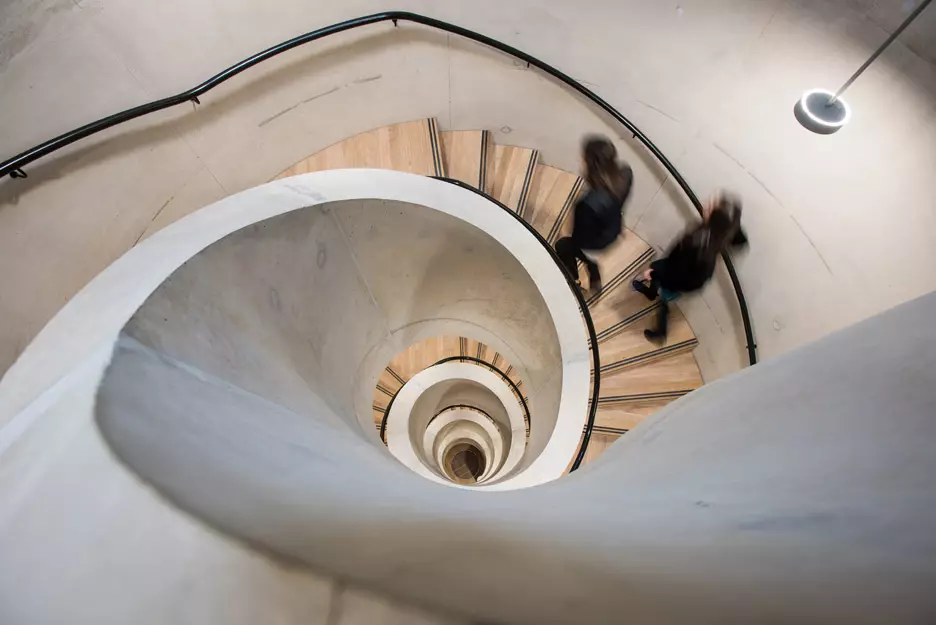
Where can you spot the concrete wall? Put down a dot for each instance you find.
(841, 226)
(294, 308)
(713, 82)
(797, 491)
(66, 496)
(427, 270)
(85, 542)
(451, 383)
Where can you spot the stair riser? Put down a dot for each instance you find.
(623, 277)
(642, 359)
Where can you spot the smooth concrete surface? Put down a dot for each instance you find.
(778, 495)
(425, 270)
(480, 397)
(470, 426)
(432, 389)
(53, 384)
(841, 228)
(782, 494)
(239, 290)
(251, 309)
(712, 82)
(797, 491)
(84, 542)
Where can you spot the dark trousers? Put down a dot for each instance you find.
(569, 253)
(652, 290)
(662, 318)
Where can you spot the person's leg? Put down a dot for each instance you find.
(568, 252)
(658, 334)
(594, 274)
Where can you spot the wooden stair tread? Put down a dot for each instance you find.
(412, 147)
(626, 416)
(619, 263)
(598, 443)
(620, 308)
(638, 376)
(389, 380)
(664, 376)
(423, 354)
(379, 407)
(551, 201)
(464, 153)
(476, 349)
(512, 174)
(630, 345)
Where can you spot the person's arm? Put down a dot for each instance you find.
(628, 183)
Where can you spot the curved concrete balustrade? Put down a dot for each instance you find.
(468, 429)
(779, 494)
(447, 425)
(244, 309)
(431, 390)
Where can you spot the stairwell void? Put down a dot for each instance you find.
(302, 311)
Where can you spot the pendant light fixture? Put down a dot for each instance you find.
(823, 111)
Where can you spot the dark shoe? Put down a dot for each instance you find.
(657, 338)
(594, 278)
(594, 285)
(646, 291)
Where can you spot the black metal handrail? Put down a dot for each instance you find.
(462, 407)
(503, 376)
(583, 307)
(477, 361)
(14, 166)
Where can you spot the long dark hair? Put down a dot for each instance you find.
(602, 170)
(719, 230)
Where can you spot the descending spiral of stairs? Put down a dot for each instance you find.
(637, 377)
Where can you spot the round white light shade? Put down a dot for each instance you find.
(819, 111)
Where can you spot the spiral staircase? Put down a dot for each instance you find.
(637, 377)
(252, 416)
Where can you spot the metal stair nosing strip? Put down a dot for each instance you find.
(601, 429)
(639, 359)
(385, 390)
(622, 276)
(436, 150)
(643, 397)
(395, 376)
(482, 166)
(621, 325)
(564, 211)
(527, 182)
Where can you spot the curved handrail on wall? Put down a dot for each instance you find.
(473, 360)
(583, 307)
(14, 166)
(503, 376)
(462, 407)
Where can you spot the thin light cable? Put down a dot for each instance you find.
(878, 52)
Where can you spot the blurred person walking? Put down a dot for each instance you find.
(691, 261)
(598, 218)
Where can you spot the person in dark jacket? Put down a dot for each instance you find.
(691, 262)
(598, 218)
